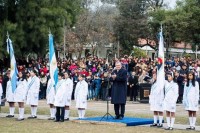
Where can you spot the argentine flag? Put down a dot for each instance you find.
(160, 70)
(52, 61)
(13, 65)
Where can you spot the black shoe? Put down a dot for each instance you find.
(169, 128)
(67, 119)
(32, 117)
(51, 118)
(160, 125)
(116, 117)
(10, 116)
(192, 128)
(153, 125)
(20, 119)
(56, 121)
(61, 120)
(120, 118)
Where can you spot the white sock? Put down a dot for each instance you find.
(79, 113)
(155, 119)
(67, 114)
(32, 111)
(54, 112)
(190, 120)
(168, 121)
(50, 112)
(172, 122)
(194, 121)
(160, 119)
(35, 111)
(21, 113)
(10, 110)
(83, 114)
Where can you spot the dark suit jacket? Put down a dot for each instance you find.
(119, 87)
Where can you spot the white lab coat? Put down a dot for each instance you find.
(50, 92)
(156, 98)
(69, 87)
(61, 93)
(9, 93)
(33, 87)
(191, 97)
(21, 91)
(171, 96)
(81, 92)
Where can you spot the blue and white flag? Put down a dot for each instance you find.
(52, 61)
(160, 70)
(13, 65)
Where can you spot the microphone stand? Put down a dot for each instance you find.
(107, 113)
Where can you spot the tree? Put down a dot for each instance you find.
(131, 24)
(28, 22)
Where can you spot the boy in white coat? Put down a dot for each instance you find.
(81, 93)
(191, 99)
(51, 98)
(33, 88)
(69, 87)
(20, 94)
(60, 98)
(156, 98)
(169, 103)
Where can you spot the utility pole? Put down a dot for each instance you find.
(64, 39)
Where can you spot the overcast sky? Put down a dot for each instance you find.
(170, 3)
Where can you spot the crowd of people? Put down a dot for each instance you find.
(94, 74)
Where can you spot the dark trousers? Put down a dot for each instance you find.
(118, 108)
(60, 113)
(133, 93)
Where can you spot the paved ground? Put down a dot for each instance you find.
(131, 107)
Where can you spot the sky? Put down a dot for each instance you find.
(171, 3)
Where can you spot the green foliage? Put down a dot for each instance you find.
(137, 52)
(28, 23)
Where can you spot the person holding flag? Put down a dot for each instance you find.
(12, 83)
(156, 96)
(53, 78)
(33, 93)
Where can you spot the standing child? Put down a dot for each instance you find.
(81, 93)
(50, 98)
(20, 94)
(169, 104)
(69, 89)
(191, 98)
(10, 98)
(60, 98)
(156, 98)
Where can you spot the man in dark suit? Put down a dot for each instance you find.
(119, 90)
(133, 83)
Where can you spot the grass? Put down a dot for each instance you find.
(37, 126)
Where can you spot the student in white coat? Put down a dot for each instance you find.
(81, 93)
(69, 87)
(60, 98)
(191, 98)
(169, 103)
(10, 99)
(51, 98)
(20, 94)
(156, 98)
(33, 93)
